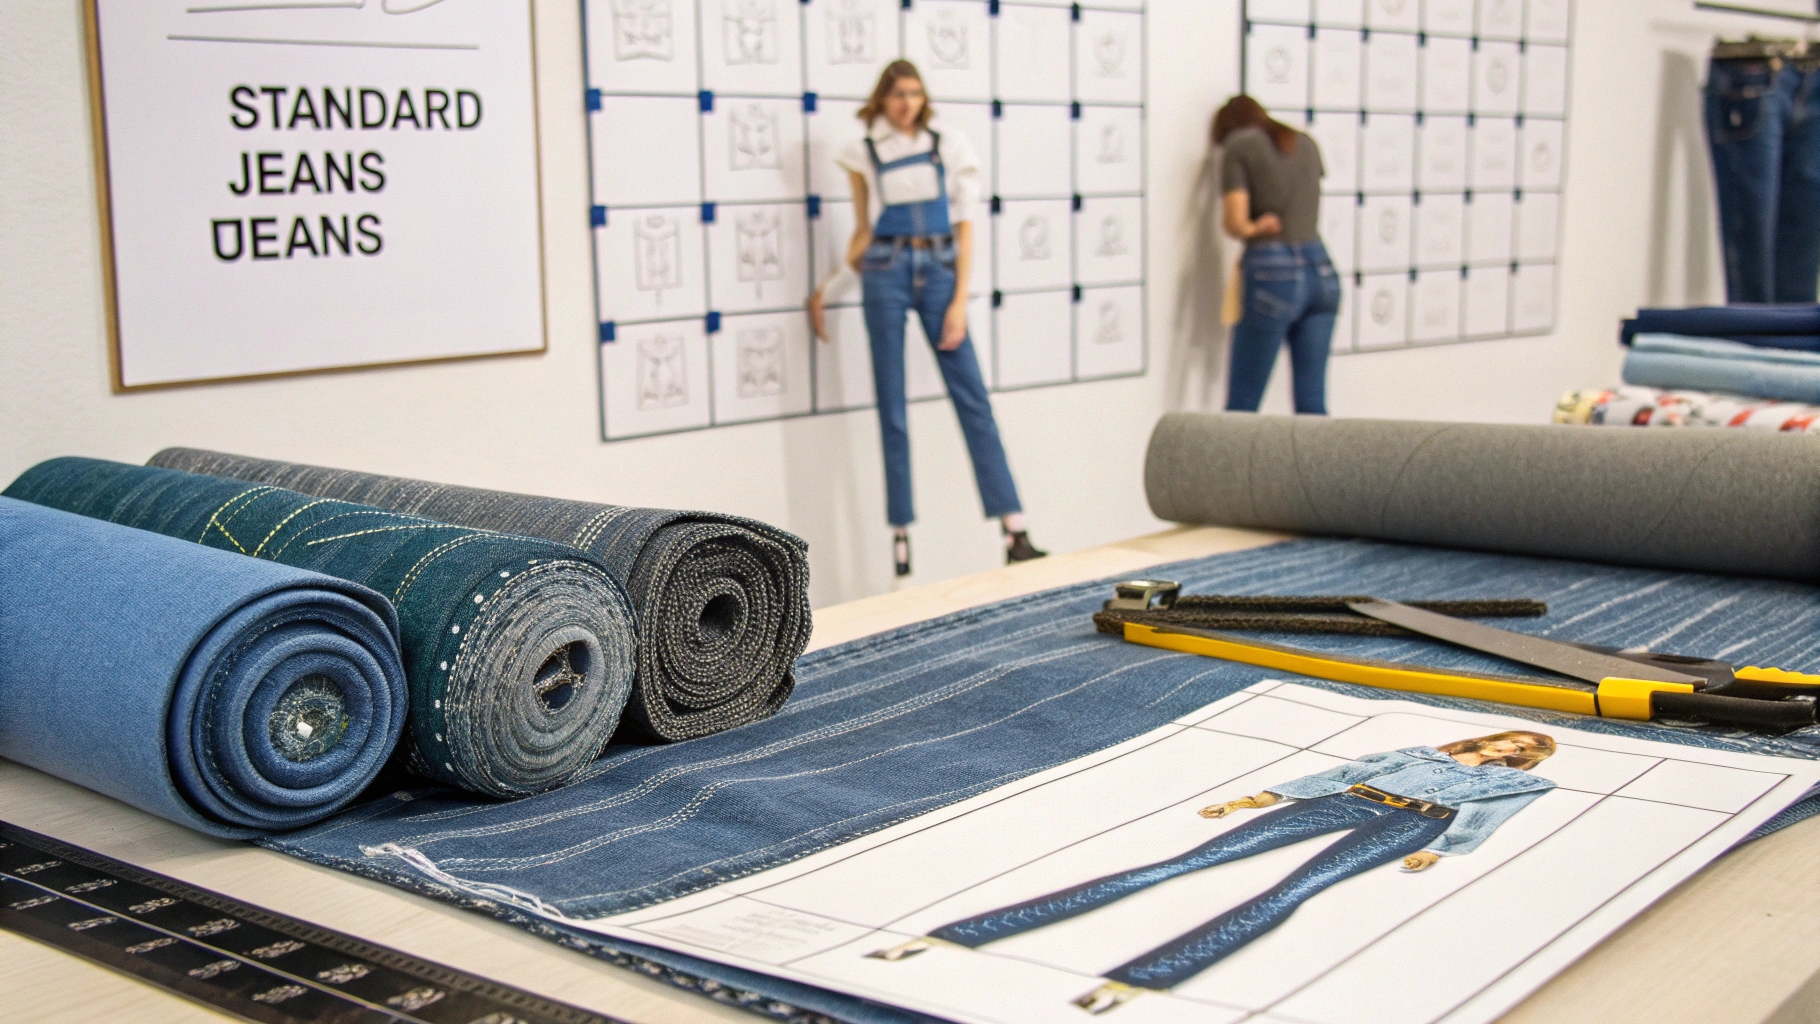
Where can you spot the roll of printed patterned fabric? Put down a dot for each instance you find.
(1636, 406)
(722, 601)
(518, 651)
(236, 696)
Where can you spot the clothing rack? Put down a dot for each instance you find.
(1761, 12)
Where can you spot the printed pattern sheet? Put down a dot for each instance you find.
(713, 127)
(1626, 821)
(1443, 126)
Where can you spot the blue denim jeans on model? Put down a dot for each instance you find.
(899, 279)
(1763, 124)
(1292, 293)
(1378, 835)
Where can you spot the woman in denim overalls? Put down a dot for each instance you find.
(913, 249)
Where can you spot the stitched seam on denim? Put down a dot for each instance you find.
(410, 578)
(215, 522)
(383, 529)
(353, 511)
(282, 523)
(918, 703)
(688, 810)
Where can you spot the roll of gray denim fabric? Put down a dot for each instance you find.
(233, 695)
(1730, 501)
(722, 601)
(517, 650)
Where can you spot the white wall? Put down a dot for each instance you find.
(531, 423)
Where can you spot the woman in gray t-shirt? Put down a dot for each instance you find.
(1270, 178)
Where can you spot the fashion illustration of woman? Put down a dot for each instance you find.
(917, 192)
(1417, 804)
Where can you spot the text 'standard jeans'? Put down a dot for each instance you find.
(1763, 123)
(899, 279)
(1378, 835)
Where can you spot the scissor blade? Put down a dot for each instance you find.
(1566, 659)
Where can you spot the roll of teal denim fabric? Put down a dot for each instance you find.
(722, 601)
(518, 650)
(236, 696)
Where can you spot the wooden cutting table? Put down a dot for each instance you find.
(1737, 944)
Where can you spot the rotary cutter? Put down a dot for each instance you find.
(1601, 681)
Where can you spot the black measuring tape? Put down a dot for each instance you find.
(235, 957)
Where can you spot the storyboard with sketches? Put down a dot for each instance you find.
(713, 128)
(1279, 857)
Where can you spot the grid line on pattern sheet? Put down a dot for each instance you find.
(700, 272)
(1442, 206)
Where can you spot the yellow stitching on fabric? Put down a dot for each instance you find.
(383, 529)
(410, 578)
(282, 523)
(215, 517)
(357, 510)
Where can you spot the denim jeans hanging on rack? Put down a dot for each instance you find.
(1763, 123)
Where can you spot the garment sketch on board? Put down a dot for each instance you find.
(918, 190)
(1270, 181)
(1414, 805)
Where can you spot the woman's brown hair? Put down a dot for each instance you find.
(1540, 748)
(887, 80)
(1242, 111)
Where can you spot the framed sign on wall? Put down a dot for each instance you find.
(315, 185)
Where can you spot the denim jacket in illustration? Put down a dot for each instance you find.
(1482, 796)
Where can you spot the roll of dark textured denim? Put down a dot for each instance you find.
(238, 697)
(518, 651)
(722, 601)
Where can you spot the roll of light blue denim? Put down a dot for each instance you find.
(1794, 325)
(1709, 364)
(898, 280)
(235, 696)
(1763, 124)
(722, 601)
(518, 650)
(1292, 294)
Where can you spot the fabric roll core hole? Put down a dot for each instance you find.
(561, 674)
(720, 616)
(309, 719)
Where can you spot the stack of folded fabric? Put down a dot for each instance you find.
(1757, 351)
(1633, 406)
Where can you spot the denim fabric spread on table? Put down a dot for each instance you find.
(899, 279)
(518, 651)
(1472, 801)
(229, 694)
(1712, 364)
(890, 726)
(1292, 294)
(722, 601)
(1789, 326)
(1763, 123)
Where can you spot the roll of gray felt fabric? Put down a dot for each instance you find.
(722, 602)
(1730, 501)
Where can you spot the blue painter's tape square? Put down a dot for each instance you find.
(1077, 293)
(998, 299)
(998, 205)
(1075, 12)
(809, 98)
(707, 213)
(713, 322)
(815, 206)
(593, 100)
(597, 216)
(1074, 110)
(706, 99)
(1078, 203)
(992, 8)
(607, 333)
(998, 109)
